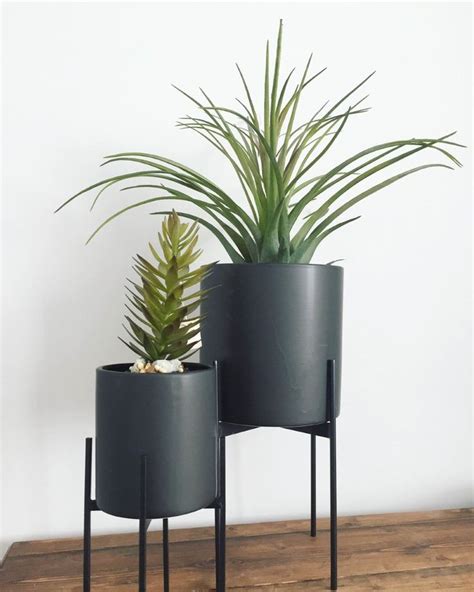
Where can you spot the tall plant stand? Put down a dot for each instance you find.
(90, 505)
(324, 430)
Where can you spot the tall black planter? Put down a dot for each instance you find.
(172, 419)
(272, 327)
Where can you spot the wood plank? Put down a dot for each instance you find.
(417, 551)
(450, 578)
(260, 528)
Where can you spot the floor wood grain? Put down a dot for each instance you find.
(412, 552)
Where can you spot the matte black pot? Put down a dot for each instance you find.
(172, 418)
(272, 327)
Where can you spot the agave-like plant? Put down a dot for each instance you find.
(274, 158)
(160, 304)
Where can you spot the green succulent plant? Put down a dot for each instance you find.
(161, 302)
(291, 207)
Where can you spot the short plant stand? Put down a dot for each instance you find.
(324, 430)
(90, 505)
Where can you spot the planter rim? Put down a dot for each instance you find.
(290, 265)
(197, 368)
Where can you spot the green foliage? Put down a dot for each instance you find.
(274, 158)
(161, 303)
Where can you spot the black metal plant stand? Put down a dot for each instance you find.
(324, 430)
(90, 506)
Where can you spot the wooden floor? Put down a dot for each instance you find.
(404, 552)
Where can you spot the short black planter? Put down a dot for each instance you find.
(272, 327)
(170, 418)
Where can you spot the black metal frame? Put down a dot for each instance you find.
(90, 505)
(324, 430)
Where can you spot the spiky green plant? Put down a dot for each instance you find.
(274, 158)
(160, 304)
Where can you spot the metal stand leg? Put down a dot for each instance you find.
(331, 386)
(217, 542)
(220, 520)
(87, 518)
(144, 523)
(166, 564)
(313, 485)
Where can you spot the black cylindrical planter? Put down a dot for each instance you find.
(272, 327)
(172, 418)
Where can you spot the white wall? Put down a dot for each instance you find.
(84, 80)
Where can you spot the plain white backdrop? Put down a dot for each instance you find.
(89, 79)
